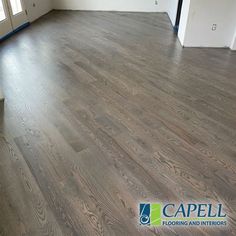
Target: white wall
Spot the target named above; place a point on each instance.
(197, 28)
(112, 5)
(41, 7)
(233, 44)
(172, 6)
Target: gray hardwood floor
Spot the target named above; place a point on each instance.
(105, 110)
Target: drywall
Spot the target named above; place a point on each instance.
(172, 6)
(233, 44)
(197, 29)
(37, 8)
(112, 5)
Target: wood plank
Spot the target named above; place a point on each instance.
(110, 111)
(24, 210)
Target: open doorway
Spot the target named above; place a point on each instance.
(178, 15)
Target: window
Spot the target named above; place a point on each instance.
(2, 13)
(16, 6)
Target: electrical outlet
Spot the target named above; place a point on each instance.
(156, 2)
(214, 27)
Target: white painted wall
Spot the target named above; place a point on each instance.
(233, 44)
(196, 30)
(112, 5)
(172, 6)
(41, 7)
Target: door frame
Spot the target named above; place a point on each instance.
(15, 22)
(19, 18)
(6, 24)
(178, 15)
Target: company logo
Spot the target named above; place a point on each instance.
(150, 214)
(155, 214)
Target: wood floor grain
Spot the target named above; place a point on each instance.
(104, 110)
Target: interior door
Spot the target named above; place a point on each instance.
(5, 20)
(17, 12)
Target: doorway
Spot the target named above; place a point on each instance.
(178, 15)
(12, 17)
